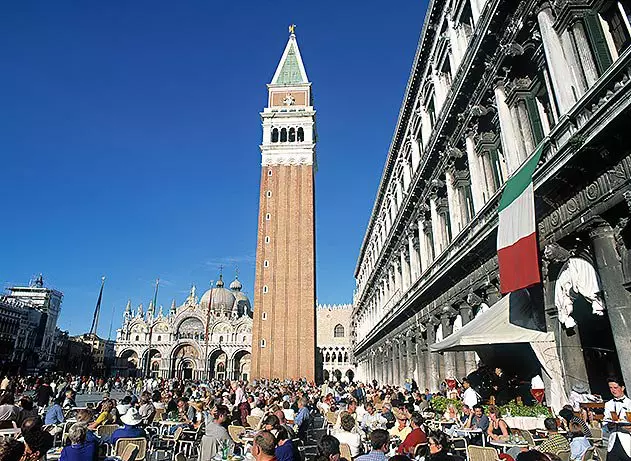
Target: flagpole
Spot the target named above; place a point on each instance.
(210, 302)
(155, 301)
(95, 321)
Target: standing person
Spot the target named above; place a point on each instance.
(619, 446)
(470, 397)
(379, 444)
(43, 394)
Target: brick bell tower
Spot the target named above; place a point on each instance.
(284, 334)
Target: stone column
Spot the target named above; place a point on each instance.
(617, 299)
(419, 361)
(432, 359)
(409, 360)
(590, 71)
(448, 357)
(527, 138)
(425, 250)
(560, 72)
(509, 137)
(466, 313)
(416, 154)
(405, 268)
(396, 361)
(415, 262)
(407, 176)
(453, 201)
(477, 179)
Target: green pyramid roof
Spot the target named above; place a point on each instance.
(290, 73)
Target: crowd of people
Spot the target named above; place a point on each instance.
(366, 422)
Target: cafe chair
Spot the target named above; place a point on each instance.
(420, 450)
(331, 418)
(564, 455)
(459, 445)
(527, 436)
(253, 421)
(106, 430)
(130, 453)
(139, 442)
(235, 433)
(482, 453)
(345, 451)
(597, 434)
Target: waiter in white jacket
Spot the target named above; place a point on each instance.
(619, 428)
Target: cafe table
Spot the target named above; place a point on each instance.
(469, 432)
(10, 432)
(506, 444)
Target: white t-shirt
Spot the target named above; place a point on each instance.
(470, 397)
(353, 440)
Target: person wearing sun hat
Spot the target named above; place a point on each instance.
(131, 429)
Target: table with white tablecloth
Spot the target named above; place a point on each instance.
(529, 423)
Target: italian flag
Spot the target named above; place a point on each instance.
(517, 250)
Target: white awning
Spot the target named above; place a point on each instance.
(492, 327)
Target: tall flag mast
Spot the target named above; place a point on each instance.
(155, 302)
(97, 310)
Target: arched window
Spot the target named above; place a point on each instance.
(159, 338)
(327, 357)
(339, 357)
(275, 135)
(301, 134)
(292, 135)
(283, 135)
(338, 332)
(220, 339)
(137, 338)
(345, 357)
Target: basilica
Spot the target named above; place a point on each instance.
(217, 326)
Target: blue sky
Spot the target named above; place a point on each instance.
(129, 136)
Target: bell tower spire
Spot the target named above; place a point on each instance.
(283, 344)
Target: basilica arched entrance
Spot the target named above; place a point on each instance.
(184, 362)
(217, 364)
(241, 365)
(154, 362)
(128, 363)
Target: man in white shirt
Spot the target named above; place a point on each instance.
(469, 397)
(619, 446)
(371, 419)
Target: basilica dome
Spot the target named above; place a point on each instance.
(222, 300)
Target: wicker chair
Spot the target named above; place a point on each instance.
(235, 433)
(139, 442)
(130, 452)
(345, 451)
(106, 430)
(253, 421)
(482, 453)
(179, 457)
(159, 415)
(527, 436)
(601, 452)
(597, 434)
(564, 455)
(331, 418)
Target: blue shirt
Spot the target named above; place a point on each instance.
(128, 432)
(285, 452)
(80, 452)
(54, 415)
(372, 456)
(302, 417)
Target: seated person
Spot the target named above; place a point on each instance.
(371, 419)
(55, 415)
(79, 449)
(27, 409)
(401, 429)
(579, 443)
(569, 417)
(8, 410)
(37, 441)
(131, 429)
(11, 449)
(498, 429)
(83, 418)
(329, 449)
(555, 441)
(105, 417)
(415, 437)
(438, 447)
(379, 444)
(215, 433)
(285, 448)
(346, 434)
